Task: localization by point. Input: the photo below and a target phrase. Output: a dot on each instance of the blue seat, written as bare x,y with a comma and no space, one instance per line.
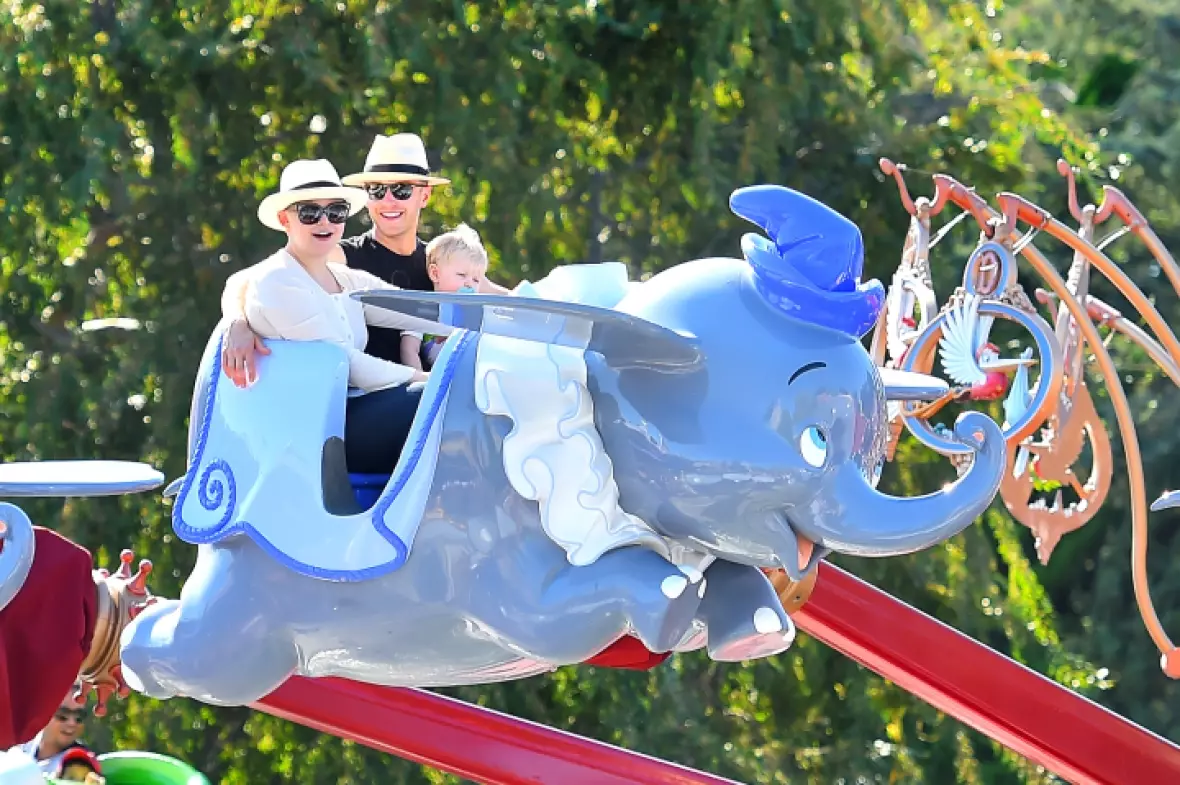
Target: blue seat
368,488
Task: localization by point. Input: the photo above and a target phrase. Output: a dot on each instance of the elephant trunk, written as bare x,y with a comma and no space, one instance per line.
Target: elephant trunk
854,518
17,543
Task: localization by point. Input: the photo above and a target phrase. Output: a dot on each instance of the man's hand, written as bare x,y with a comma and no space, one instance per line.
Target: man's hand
237,353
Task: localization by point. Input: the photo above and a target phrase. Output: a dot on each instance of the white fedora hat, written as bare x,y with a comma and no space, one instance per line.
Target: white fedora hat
400,158
305,181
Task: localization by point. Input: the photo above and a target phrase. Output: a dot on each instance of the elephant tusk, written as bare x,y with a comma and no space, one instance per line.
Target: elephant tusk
806,548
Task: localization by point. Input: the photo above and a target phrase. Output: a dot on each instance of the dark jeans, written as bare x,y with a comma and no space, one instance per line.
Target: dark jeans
376,426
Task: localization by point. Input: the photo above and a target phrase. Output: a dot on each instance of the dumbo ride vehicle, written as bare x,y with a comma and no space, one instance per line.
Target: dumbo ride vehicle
592,458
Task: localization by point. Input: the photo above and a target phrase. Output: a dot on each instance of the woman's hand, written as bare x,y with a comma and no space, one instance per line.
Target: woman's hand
418,381
237,353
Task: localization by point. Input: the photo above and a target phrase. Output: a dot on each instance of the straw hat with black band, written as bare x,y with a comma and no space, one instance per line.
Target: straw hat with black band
307,181
400,158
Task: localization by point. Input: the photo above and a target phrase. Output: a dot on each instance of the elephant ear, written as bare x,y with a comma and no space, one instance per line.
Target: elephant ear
624,341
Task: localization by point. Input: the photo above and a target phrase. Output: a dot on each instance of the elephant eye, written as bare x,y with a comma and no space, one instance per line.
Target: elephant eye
813,446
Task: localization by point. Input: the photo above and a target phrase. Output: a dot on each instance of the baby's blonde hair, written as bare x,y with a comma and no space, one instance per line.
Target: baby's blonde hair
460,240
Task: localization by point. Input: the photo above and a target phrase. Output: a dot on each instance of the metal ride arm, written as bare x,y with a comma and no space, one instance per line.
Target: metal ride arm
915,256
1115,202
956,674
1104,314
1013,208
1028,713
474,743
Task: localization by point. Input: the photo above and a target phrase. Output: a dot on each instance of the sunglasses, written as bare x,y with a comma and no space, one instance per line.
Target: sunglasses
400,191
78,715
309,214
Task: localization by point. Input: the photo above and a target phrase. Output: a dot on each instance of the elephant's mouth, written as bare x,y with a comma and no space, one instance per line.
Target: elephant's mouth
799,555
851,516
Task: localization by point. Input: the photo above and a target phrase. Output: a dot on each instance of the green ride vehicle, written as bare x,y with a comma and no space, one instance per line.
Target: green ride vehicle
130,768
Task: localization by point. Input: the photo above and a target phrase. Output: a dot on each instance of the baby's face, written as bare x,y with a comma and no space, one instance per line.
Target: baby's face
457,273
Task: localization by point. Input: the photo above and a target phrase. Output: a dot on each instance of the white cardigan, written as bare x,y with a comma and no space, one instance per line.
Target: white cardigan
279,299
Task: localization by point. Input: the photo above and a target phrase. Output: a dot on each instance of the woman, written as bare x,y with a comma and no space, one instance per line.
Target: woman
297,295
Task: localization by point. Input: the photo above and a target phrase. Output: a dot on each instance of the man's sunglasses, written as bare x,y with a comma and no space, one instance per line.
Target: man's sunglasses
78,715
310,213
400,191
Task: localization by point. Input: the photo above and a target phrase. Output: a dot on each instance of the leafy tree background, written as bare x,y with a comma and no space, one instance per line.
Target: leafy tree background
136,138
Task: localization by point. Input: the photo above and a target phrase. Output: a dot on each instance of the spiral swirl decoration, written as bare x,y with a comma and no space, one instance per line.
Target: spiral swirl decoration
214,492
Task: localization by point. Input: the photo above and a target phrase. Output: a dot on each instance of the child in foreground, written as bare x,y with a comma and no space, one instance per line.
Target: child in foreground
456,262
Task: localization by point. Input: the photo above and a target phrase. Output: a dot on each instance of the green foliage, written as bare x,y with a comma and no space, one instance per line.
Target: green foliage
139,136
1108,82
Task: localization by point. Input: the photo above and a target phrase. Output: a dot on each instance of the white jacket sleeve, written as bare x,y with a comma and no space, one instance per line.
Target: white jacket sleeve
293,312
233,296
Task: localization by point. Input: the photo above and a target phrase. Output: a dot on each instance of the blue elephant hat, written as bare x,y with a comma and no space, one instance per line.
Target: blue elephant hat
810,267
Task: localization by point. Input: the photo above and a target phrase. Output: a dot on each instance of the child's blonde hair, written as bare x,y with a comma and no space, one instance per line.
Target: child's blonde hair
460,240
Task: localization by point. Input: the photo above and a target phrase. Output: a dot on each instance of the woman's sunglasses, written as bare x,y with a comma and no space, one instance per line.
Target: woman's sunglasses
400,191
78,715
310,214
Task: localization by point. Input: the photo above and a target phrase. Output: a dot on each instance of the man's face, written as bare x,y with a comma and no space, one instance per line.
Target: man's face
66,725
394,207
316,226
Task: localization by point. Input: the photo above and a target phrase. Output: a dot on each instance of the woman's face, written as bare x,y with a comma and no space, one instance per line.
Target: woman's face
315,227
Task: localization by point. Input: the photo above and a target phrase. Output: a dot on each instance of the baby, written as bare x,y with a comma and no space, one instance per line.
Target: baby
456,262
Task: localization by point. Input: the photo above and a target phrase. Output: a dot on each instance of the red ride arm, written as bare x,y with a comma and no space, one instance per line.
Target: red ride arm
45,634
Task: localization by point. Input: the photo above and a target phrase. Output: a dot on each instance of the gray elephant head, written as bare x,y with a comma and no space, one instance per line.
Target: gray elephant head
769,450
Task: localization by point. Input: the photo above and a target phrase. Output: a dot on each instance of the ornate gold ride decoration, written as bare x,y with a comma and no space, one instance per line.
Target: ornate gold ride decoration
1049,424
121,597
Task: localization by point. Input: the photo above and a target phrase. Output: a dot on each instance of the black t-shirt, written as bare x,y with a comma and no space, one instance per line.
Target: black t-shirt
363,252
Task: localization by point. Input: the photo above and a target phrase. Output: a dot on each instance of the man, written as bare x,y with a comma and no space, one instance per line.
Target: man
399,183
62,627
50,747
46,632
